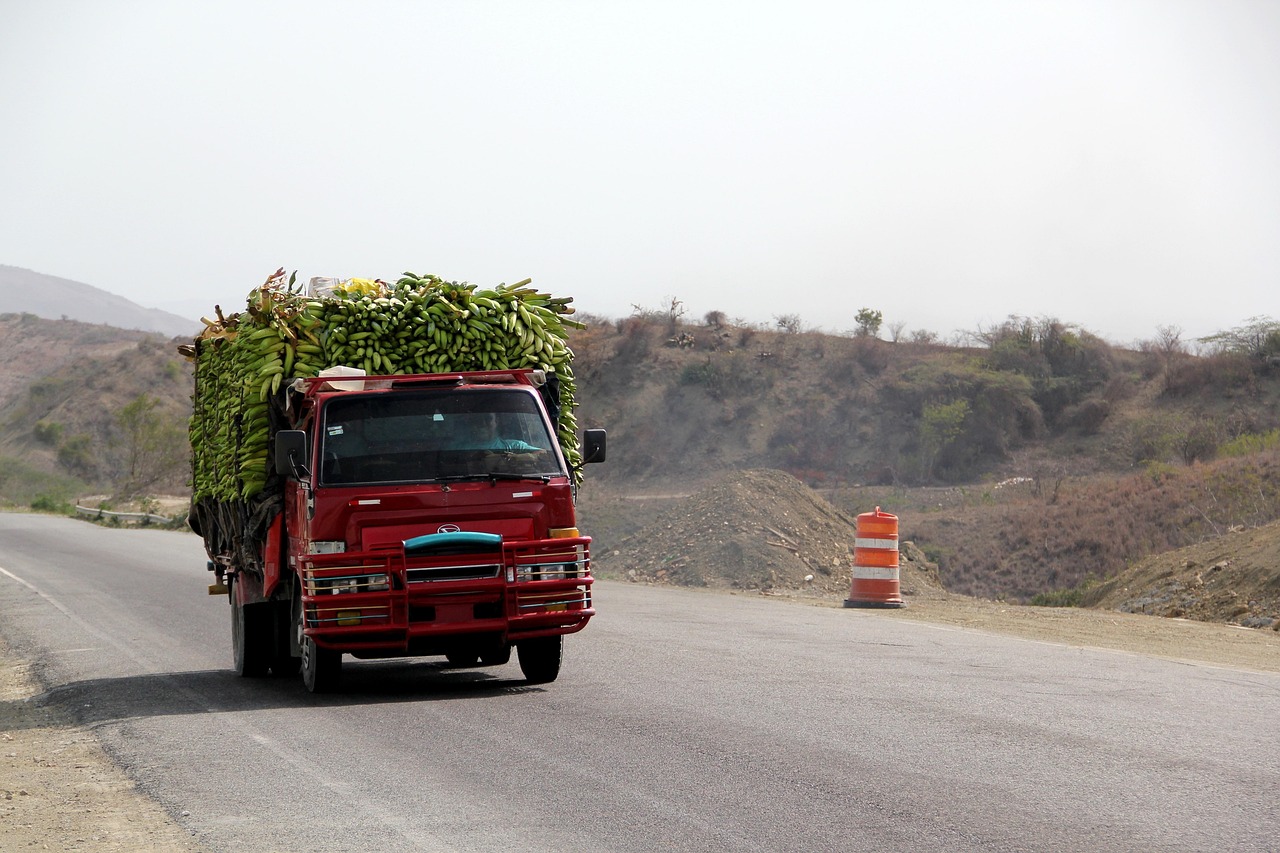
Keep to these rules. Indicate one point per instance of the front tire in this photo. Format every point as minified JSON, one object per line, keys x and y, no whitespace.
{"x":540,"y":658}
{"x":321,"y":668}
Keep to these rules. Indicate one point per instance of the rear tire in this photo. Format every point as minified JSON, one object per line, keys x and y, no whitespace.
{"x":321,"y":668}
{"x":251,"y":640}
{"x":540,"y":658}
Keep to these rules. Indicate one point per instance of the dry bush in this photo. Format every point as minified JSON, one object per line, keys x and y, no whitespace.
{"x":1207,"y":374}
{"x":636,"y":338}
{"x":1086,"y":417}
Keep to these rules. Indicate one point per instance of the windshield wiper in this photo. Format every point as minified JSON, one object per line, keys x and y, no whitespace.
{"x":494,"y":477}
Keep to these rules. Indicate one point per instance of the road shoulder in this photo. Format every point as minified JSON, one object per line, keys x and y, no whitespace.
{"x":58,"y":788}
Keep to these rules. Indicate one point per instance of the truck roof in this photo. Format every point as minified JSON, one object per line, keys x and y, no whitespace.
{"x":345,"y":382}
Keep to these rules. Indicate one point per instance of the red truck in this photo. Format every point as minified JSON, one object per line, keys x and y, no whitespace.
{"x":427,"y":514}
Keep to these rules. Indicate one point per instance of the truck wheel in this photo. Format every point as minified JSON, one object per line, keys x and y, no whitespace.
{"x":321,"y":668}
{"x":250,"y":638}
{"x":540,"y":658}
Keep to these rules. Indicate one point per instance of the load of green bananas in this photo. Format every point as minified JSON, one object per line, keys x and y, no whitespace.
{"x":420,"y":324}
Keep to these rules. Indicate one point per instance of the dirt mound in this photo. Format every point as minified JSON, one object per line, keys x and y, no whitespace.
{"x":755,"y":530}
{"x":1234,"y":578}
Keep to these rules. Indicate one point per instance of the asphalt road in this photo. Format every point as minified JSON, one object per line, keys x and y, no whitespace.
{"x":682,"y":720}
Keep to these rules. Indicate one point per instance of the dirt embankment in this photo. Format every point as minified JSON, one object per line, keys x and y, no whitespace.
{"x":1233,"y":579}
{"x":754,"y":530}
{"x":764,"y":530}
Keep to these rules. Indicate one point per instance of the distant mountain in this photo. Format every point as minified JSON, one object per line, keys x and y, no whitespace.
{"x":26,"y":292}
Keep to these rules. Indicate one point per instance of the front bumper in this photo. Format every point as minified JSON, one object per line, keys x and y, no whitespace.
{"x":400,"y":602}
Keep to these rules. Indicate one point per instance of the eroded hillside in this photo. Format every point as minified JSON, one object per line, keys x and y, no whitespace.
{"x":62,"y":394}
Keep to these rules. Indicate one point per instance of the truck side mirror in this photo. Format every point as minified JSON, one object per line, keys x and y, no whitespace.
{"x":593,"y":446}
{"x":291,"y":454}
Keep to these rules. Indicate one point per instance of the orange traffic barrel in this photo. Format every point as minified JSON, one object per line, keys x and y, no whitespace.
{"x":875,"y":562}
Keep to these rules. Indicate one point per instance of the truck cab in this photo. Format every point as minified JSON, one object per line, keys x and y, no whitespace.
{"x":423,"y":515}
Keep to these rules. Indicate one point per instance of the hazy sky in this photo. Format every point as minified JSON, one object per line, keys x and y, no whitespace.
{"x":1114,"y":164}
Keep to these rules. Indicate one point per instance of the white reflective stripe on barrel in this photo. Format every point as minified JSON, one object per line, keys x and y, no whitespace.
{"x":871,"y":573}
{"x":887,"y":544}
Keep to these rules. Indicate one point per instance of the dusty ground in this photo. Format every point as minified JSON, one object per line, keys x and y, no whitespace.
{"x":59,"y":790}
{"x":758,"y":533}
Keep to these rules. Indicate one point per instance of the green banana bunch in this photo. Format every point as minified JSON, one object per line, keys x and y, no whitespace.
{"x":421,"y":324}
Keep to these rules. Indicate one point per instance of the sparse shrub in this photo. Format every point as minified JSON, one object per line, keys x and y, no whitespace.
{"x":76,"y":454}
{"x":1200,"y":441}
{"x":923,"y":336}
{"x":791,"y":324}
{"x":1119,"y":388}
{"x":872,"y":357}
{"x":49,"y":503}
{"x":47,"y":432}
{"x":1250,"y":443}
{"x":1209,"y":374}
{"x":1061,"y":597}
{"x":1152,"y":439}
{"x":637,"y":339}
{"x":1160,"y":472}
{"x":706,"y":374}
{"x":1087,"y":416}
{"x":21,"y":484}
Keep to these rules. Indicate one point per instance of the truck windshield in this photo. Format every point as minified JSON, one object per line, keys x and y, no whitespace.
{"x":435,"y":435}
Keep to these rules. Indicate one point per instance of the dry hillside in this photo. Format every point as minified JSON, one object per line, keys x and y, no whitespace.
{"x":61,"y":394}
{"x":1035,"y":460}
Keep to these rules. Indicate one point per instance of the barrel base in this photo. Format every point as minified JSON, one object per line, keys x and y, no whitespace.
{"x":848,"y":602}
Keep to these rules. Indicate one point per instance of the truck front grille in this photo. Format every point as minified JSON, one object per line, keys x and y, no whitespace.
{"x":474,"y":571}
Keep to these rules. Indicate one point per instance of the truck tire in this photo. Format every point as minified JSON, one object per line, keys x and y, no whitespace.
{"x":540,"y":658}
{"x":321,"y":668}
{"x":251,"y":647}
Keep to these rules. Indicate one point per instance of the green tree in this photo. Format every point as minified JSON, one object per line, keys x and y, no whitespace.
{"x":940,"y":425}
{"x":1258,"y":338}
{"x":868,"y":321}
{"x":152,"y":444}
